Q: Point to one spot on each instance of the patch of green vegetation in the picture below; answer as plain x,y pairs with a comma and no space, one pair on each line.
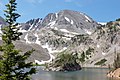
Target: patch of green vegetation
101,62
63,59
86,54
89,51
82,58
78,39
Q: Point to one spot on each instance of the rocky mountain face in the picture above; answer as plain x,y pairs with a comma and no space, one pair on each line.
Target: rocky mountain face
70,32
31,25
69,21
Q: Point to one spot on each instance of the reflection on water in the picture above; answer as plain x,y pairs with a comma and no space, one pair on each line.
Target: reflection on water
84,74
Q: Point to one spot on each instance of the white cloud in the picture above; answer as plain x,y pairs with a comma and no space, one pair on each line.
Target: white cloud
35,1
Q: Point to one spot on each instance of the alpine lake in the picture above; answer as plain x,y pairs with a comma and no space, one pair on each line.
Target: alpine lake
84,74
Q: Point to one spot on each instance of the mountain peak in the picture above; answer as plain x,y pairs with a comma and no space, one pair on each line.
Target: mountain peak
70,11
70,20
33,24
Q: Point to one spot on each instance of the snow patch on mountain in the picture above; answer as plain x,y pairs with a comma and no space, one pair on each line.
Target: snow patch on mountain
72,22
26,38
39,21
30,27
67,19
103,53
64,30
98,46
50,53
55,28
50,49
66,38
102,23
88,19
37,40
69,35
22,30
0,28
52,23
88,32
56,14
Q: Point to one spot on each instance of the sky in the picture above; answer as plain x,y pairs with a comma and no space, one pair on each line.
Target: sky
99,10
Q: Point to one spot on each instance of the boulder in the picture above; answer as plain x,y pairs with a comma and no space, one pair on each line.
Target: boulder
114,74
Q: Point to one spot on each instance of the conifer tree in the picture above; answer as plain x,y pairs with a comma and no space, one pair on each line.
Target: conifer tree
13,64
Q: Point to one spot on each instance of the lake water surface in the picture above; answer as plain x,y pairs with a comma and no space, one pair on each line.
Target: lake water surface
84,74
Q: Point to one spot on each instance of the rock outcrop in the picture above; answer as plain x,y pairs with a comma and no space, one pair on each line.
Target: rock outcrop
64,62
114,74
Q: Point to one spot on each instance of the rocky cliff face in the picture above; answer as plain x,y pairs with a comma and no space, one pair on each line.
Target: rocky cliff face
31,25
71,32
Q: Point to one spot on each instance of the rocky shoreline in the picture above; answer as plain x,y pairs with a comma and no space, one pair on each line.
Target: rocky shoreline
114,74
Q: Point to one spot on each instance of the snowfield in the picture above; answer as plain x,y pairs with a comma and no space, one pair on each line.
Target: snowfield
50,51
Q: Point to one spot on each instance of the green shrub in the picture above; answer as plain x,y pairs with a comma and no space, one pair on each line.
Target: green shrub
82,58
65,58
101,62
